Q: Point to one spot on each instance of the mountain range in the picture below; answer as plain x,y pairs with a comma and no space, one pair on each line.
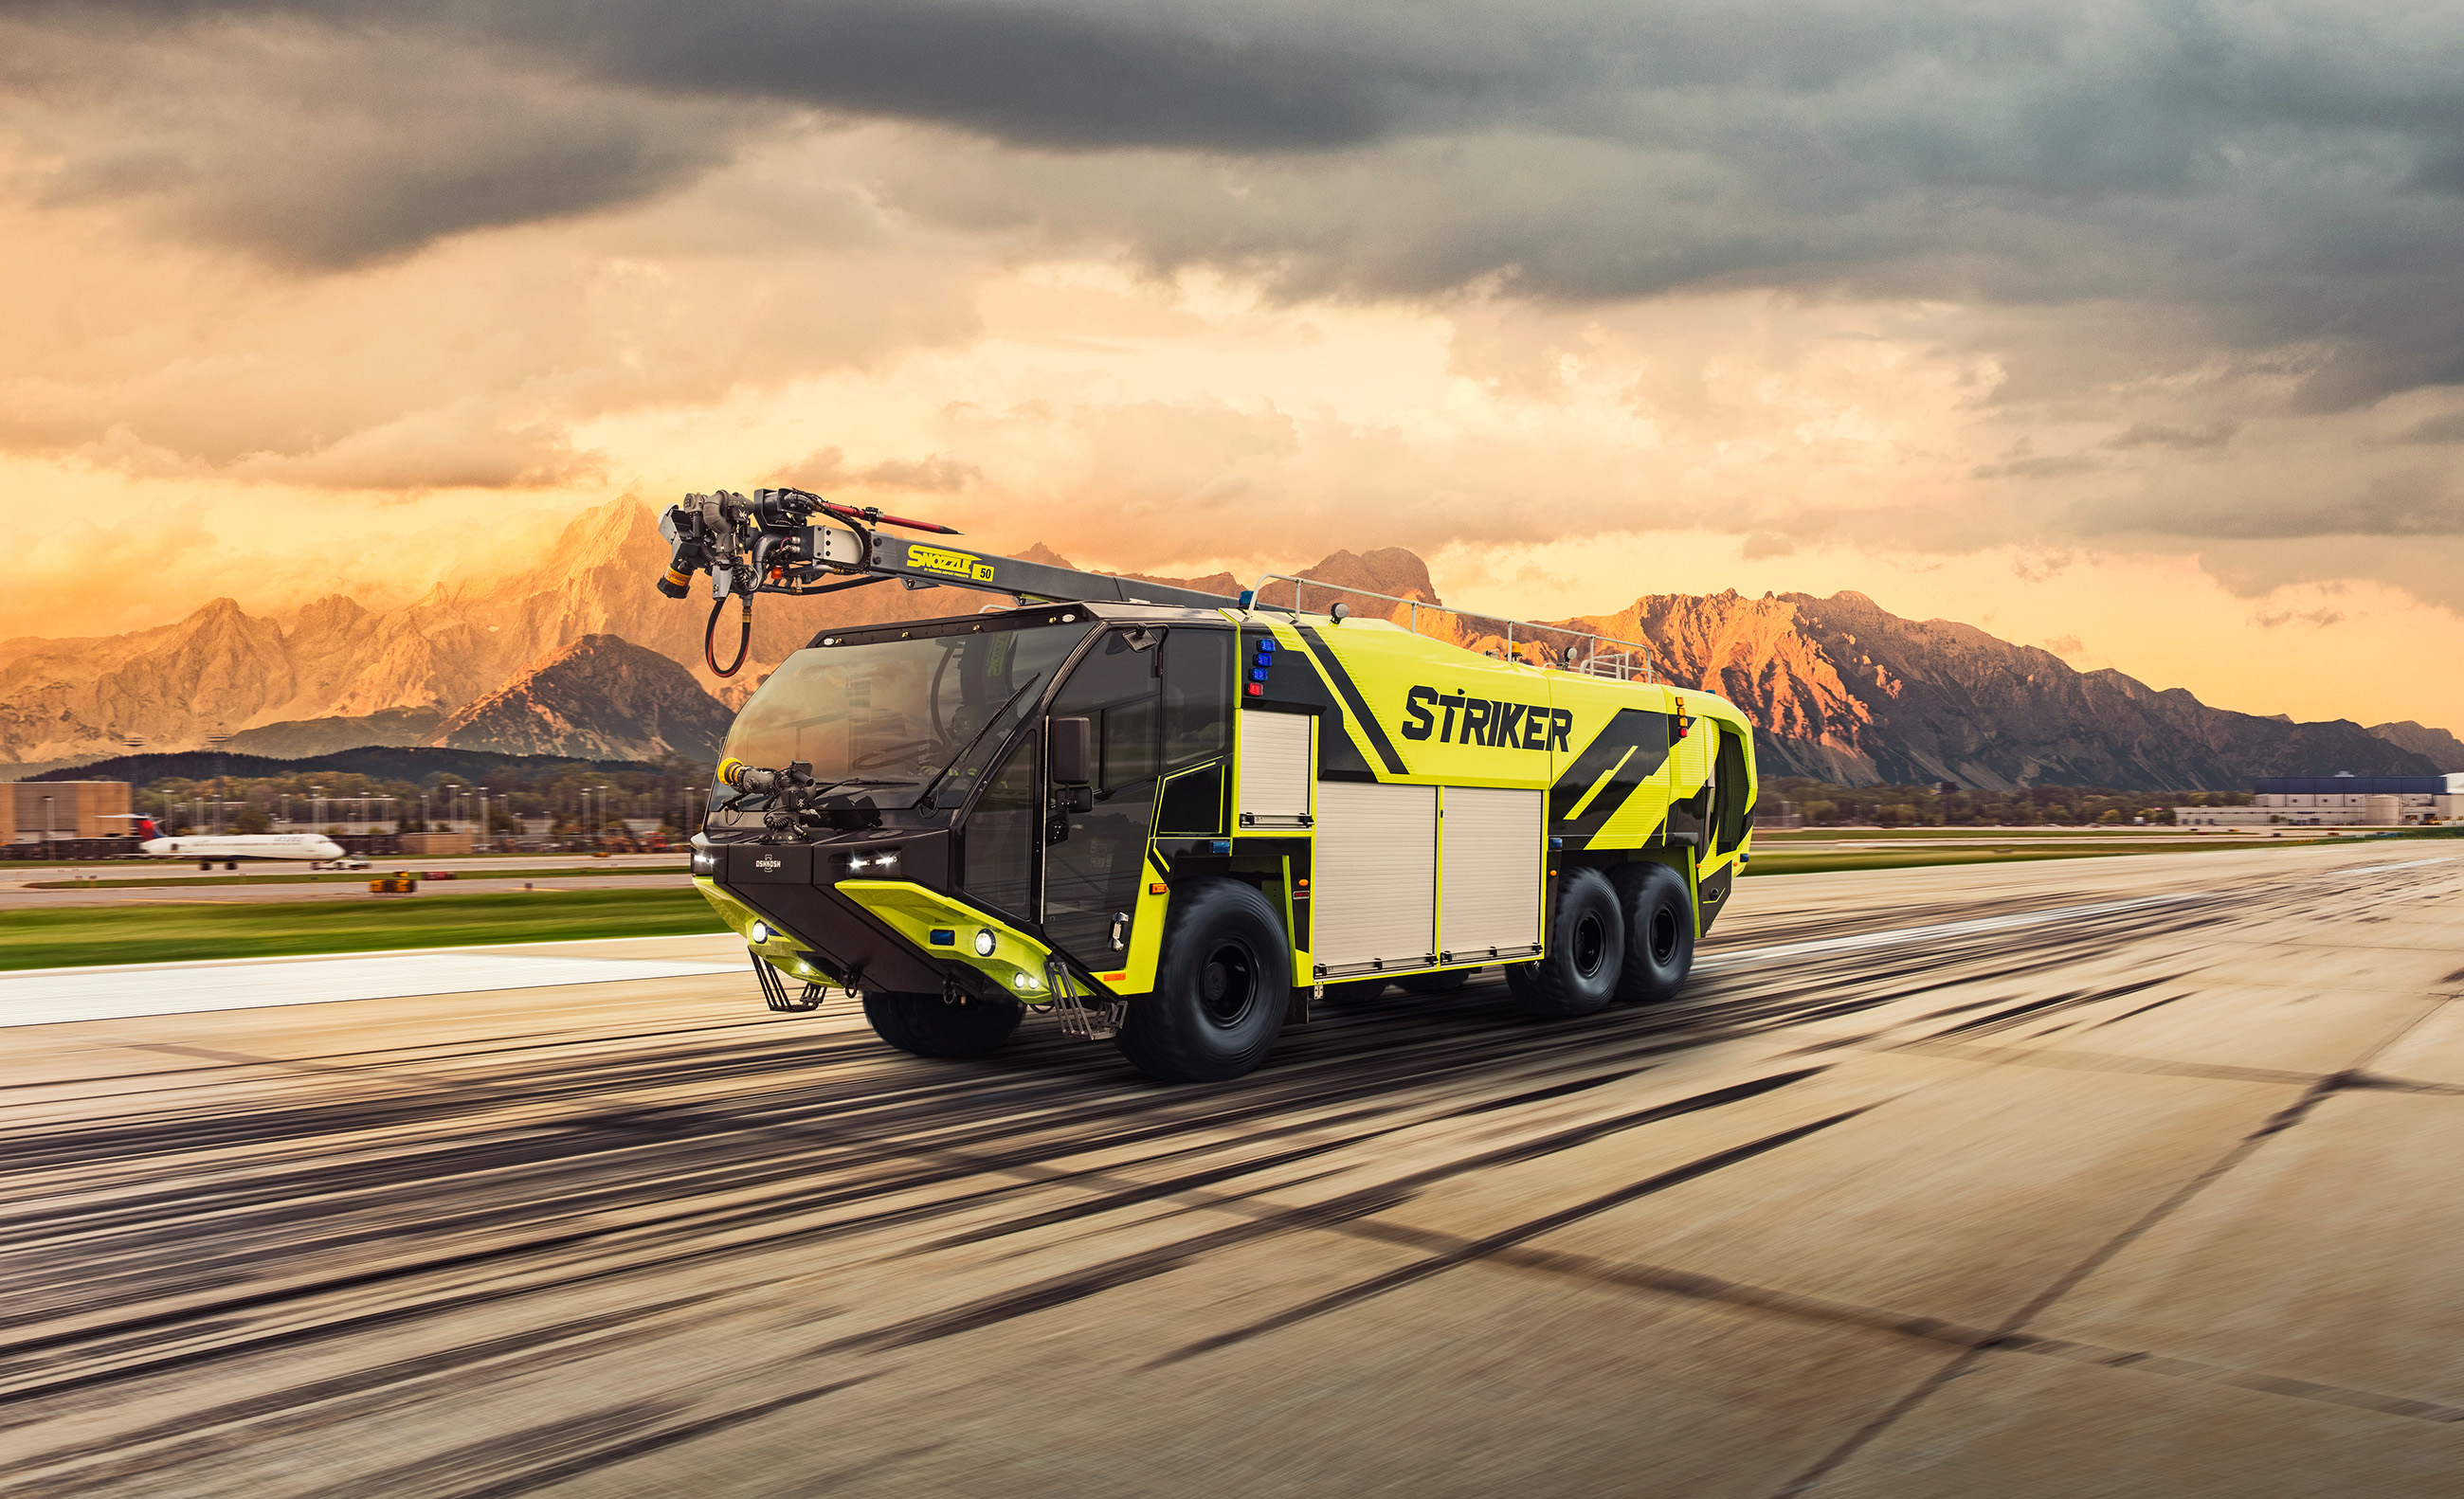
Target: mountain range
581,656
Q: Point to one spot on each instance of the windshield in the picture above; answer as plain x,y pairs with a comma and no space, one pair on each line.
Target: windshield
884,722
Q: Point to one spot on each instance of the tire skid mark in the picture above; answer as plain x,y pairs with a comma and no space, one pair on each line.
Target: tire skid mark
2143,1010
1508,1238
2193,1368
594,1455
1693,1286
215,1429
2011,1015
1059,1291
2062,1284
655,1233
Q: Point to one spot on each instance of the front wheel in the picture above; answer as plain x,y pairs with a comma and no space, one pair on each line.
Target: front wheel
1221,993
929,1025
1586,952
1659,933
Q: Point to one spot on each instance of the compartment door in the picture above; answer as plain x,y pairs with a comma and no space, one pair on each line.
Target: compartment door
1493,861
1374,883
1276,757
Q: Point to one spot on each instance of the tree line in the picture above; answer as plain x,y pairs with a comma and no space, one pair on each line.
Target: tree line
1824,804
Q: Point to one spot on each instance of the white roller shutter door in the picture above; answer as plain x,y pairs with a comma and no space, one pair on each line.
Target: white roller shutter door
1275,769
1493,862
1375,877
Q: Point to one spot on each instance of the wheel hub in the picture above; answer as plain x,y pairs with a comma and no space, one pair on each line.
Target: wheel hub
1591,944
1227,985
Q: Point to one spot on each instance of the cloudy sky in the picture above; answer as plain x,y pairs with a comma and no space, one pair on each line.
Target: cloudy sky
2136,330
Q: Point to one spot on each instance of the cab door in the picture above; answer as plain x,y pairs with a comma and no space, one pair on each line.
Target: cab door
1155,700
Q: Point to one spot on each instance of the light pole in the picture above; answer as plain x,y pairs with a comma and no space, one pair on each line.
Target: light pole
47,820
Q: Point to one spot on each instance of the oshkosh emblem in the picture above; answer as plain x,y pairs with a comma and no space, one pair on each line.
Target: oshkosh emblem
765,864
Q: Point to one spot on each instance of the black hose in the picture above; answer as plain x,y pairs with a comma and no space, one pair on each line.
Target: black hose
744,639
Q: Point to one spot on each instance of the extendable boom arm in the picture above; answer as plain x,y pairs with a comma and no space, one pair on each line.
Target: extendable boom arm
768,543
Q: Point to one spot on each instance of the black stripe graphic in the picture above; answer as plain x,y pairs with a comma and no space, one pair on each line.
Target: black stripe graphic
1359,706
1640,739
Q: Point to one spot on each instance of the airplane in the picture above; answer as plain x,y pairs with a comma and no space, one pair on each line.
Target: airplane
230,848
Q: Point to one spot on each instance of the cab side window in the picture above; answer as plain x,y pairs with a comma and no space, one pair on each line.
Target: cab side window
1729,807
1001,834
1118,688
1197,696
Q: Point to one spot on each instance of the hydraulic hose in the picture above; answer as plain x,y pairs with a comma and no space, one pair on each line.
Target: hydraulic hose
743,638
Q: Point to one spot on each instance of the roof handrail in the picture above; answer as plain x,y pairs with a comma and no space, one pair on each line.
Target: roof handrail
1616,661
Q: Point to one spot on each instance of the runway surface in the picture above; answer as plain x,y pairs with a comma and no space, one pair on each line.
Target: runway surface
2114,1176
356,889
186,884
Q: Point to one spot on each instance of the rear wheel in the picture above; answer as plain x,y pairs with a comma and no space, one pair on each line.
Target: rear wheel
1221,990
929,1025
1586,952
1659,933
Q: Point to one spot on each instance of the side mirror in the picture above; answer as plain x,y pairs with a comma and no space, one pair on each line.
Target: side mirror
1073,752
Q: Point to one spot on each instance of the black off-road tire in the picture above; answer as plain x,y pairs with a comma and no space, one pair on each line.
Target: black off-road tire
1445,981
928,1025
1659,933
1220,992
1586,952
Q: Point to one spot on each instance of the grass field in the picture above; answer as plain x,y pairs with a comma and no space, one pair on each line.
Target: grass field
77,935
2157,830
359,877
1770,859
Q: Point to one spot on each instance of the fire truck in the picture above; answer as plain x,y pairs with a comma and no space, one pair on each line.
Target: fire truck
1171,820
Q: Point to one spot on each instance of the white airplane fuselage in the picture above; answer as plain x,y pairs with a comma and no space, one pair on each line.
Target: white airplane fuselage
316,847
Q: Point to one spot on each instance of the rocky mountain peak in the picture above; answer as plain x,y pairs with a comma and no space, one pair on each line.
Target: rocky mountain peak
2439,747
579,654
598,698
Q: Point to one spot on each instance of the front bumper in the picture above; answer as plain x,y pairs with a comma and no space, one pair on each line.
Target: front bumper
879,935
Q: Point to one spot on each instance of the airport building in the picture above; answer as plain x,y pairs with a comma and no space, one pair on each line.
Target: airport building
2338,801
55,811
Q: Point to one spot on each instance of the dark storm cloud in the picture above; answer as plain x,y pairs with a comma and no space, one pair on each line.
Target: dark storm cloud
2284,174
324,149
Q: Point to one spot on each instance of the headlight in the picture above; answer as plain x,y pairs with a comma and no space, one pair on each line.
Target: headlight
705,861
760,932
984,943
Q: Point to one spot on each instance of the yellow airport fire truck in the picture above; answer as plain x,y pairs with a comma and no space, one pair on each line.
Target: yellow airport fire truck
1172,819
